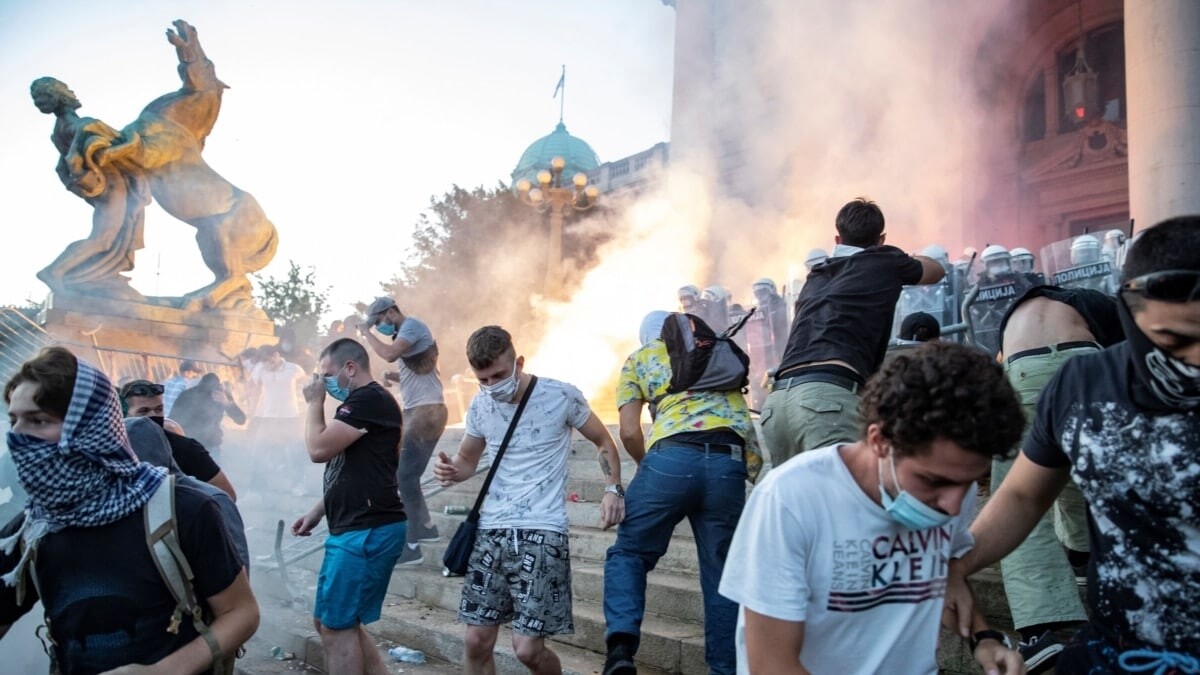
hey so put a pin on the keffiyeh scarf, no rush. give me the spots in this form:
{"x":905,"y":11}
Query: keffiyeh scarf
{"x":90,"y":477}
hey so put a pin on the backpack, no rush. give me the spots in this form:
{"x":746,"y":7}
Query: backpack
{"x":701,"y":360}
{"x":158,"y":515}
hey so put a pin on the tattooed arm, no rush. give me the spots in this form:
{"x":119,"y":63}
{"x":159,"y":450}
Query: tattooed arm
{"x":612,"y":506}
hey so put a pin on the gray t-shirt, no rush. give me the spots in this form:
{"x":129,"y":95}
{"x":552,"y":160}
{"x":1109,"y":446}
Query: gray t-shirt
{"x":417,"y":389}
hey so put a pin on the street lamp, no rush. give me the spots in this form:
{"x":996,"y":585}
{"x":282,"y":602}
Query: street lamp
{"x":550,"y":196}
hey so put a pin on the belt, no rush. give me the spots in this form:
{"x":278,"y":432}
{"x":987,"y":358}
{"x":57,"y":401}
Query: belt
{"x":1050,"y":349}
{"x":785,"y":383}
{"x":706,"y":448}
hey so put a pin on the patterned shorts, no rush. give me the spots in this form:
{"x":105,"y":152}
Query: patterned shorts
{"x":522,"y":576}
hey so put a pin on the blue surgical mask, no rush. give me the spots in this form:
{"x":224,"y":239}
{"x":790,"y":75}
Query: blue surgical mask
{"x":504,"y":390}
{"x":907,"y":509}
{"x":386,"y":329}
{"x":334,"y":389}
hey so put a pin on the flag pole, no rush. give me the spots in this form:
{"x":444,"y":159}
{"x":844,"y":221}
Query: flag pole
{"x":562,"y":101}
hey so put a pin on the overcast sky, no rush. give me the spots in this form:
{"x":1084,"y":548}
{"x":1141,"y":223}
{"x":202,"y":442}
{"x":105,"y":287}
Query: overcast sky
{"x":342,"y":119}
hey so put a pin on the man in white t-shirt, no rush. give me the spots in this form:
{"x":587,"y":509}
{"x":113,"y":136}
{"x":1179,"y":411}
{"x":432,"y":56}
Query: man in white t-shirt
{"x":841,"y":556}
{"x":520,"y":568}
{"x":276,"y":428}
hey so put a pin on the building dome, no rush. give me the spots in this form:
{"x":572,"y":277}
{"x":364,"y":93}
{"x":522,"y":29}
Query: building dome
{"x":579,"y":156}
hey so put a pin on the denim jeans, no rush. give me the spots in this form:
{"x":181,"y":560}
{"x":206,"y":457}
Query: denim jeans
{"x":673,"y":483}
{"x":423,"y":426}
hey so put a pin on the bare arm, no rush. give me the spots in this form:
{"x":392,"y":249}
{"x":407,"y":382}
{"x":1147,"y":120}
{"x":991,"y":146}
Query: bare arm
{"x":450,"y":470}
{"x":773,"y":645}
{"x":388,"y":351}
{"x":630,"y":416}
{"x":325,"y":441}
{"x":221,"y":481}
{"x":931,"y":270}
{"x":612,"y":506}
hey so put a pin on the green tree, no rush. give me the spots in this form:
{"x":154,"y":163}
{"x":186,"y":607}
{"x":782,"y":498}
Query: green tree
{"x":295,"y":303}
{"x":478,"y":257}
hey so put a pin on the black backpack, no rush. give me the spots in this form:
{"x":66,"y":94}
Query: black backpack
{"x":701,"y":360}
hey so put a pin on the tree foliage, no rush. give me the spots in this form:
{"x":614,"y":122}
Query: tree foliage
{"x":295,"y":303}
{"x":478,"y":257}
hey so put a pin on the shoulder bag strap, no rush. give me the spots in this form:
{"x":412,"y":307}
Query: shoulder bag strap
{"x":473,"y":516}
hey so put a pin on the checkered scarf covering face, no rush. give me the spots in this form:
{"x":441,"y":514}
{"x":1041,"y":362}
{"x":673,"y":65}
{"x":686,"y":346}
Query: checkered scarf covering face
{"x":89,"y":478}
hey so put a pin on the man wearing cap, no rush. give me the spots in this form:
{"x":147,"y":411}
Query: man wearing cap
{"x":187,"y":377}
{"x":412,"y":348}
{"x":839,"y":336}
{"x":144,"y":398}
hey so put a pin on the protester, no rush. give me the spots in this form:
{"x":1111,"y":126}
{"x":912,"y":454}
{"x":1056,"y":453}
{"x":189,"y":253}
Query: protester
{"x":1123,"y":424}
{"x":1043,"y":329}
{"x":201,"y":410}
{"x":693,"y":467}
{"x":840,"y":557}
{"x":187,"y":377}
{"x":840,"y":333}
{"x":415,"y":353}
{"x":367,"y":525}
{"x":276,"y":428}
{"x":520,"y":568}
{"x":80,"y":546}
{"x":143,"y":398}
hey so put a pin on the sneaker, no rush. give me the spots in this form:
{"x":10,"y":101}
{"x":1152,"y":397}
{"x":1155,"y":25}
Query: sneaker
{"x":428,"y":534}
{"x":1080,"y":575}
{"x":619,"y":663}
{"x":411,"y":556}
{"x":1040,"y":652}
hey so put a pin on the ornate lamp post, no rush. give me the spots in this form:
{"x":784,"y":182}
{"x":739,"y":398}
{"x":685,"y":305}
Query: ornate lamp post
{"x":550,"y":195}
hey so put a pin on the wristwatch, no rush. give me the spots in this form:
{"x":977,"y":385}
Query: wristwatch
{"x":615,"y":489}
{"x":990,"y":634}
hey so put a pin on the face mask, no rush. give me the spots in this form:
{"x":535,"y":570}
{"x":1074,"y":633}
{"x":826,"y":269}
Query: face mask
{"x":334,"y":389}
{"x":907,"y":509}
{"x":1160,"y":381}
{"x":504,"y":390}
{"x":386,"y":329}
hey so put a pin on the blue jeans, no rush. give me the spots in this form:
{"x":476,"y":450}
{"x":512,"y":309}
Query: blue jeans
{"x":673,"y":483}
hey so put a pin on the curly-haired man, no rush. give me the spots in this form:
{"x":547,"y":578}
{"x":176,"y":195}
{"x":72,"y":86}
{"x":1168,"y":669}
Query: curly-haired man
{"x":855,"y":539}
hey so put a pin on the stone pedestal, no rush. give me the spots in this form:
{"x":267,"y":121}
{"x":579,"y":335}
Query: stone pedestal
{"x":118,"y":331}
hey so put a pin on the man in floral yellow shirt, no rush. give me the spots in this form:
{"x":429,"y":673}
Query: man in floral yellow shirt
{"x":701,"y":450}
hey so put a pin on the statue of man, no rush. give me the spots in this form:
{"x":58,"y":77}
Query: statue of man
{"x":159,"y":153}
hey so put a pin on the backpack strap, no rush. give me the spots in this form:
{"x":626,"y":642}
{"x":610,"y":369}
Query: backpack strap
{"x":162,"y":539}
{"x":48,"y":644}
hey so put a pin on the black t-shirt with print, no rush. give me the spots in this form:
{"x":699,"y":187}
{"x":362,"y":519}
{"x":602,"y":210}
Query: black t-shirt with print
{"x":360,"y":483}
{"x":846,"y":308}
{"x":1140,"y":475}
{"x":105,"y":598}
{"x":1098,"y":310}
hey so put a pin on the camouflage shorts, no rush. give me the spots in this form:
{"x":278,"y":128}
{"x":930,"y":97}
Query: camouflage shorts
{"x":522,"y":576}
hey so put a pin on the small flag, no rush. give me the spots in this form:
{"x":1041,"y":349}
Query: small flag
{"x":562,"y":80}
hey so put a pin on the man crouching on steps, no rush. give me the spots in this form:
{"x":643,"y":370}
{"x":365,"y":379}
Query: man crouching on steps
{"x":520,"y":568}
{"x":367,"y":524}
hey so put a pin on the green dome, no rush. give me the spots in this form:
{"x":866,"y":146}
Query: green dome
{"x":579,"y":156}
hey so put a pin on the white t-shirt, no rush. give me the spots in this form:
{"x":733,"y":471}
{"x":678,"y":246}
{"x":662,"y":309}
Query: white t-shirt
{"x":811,"y":546}
{"x":529,"y":490}
{"x":279,"y":390}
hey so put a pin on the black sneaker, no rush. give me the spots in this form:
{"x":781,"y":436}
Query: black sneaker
{"x":1040,"y":652}
{"x":428,"y":534}
{"x":619,"y":663}
{"x":412,"y":556}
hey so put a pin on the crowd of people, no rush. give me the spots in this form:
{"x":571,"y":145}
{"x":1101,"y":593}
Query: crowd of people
{"x":849,"y":554}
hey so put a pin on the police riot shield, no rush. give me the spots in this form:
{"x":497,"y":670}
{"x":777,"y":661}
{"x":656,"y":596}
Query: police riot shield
{"x":1081,"y":262}
{"x":765,"y":349}
{"x":985,"y":306}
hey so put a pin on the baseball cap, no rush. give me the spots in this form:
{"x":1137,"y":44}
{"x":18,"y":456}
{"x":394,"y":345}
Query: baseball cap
{"x":919,"y":326}
{"x":378,"y":307}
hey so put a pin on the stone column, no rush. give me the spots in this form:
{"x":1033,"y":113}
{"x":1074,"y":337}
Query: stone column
{"x":1162,"y":84}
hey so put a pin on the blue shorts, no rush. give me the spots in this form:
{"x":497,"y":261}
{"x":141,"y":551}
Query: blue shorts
{"x":355,"y":574}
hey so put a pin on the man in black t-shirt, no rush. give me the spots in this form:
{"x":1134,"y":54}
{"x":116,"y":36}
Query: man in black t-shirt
{"x":144,"y":398}
{"x":1123,"y":424}
{"x":839,"y":336}
{"x":367,"y":525}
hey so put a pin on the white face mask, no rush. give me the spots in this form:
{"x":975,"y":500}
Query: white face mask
{"x":504,"y":390}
